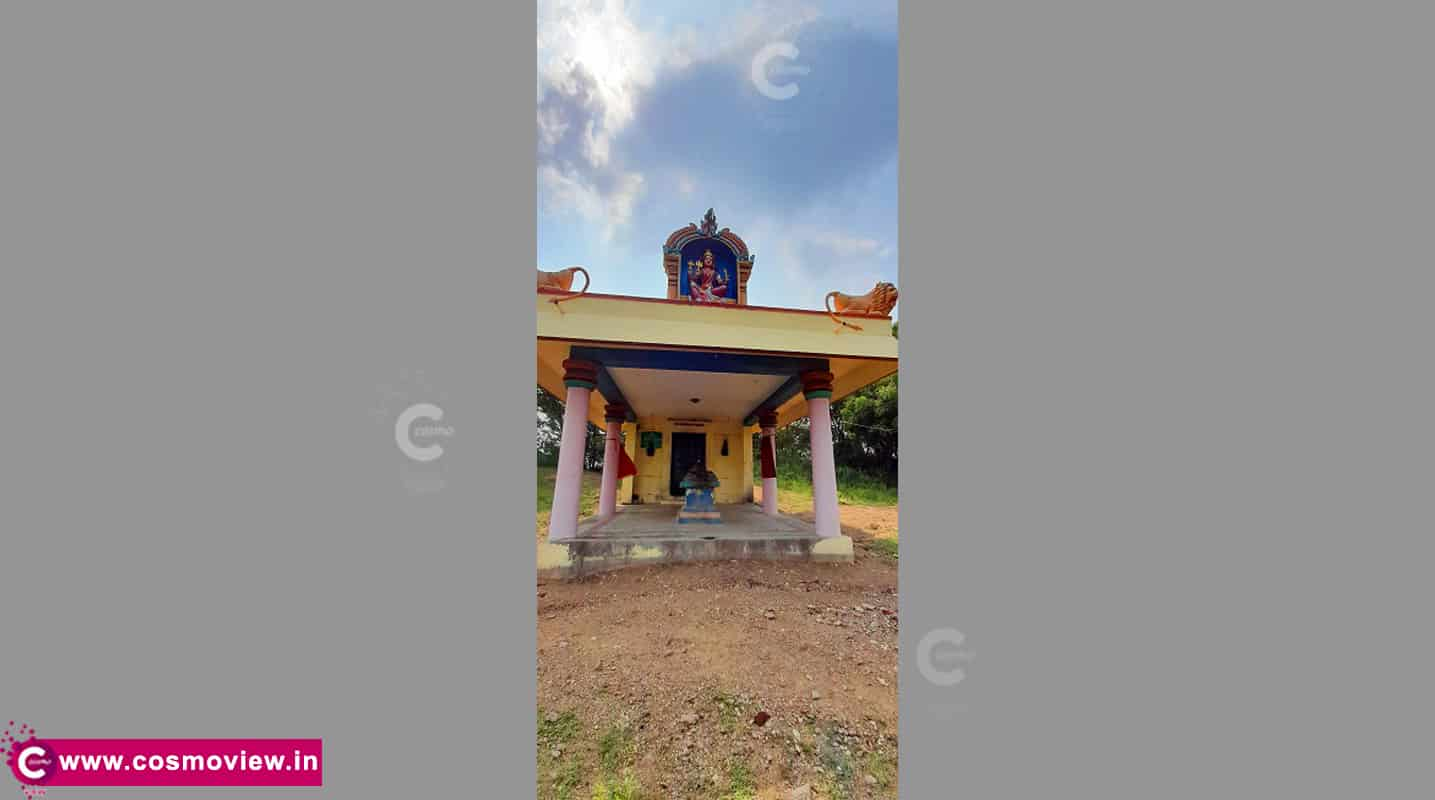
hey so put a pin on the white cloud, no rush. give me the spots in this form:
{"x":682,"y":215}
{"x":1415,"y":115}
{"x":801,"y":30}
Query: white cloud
{"x":562,"y":190}
{"x":802,"y":261}
{"x":848,"y":246}
{"x":595,"y":63}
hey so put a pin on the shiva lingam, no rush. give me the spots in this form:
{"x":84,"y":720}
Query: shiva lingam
{"x":698,"y":506}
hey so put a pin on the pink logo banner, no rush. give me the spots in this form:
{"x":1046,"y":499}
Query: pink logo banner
{"x":167,"y":762}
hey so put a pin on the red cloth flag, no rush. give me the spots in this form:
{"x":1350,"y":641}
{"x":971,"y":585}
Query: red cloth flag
{"x":769,"y":458}
{"x":626,"y":466}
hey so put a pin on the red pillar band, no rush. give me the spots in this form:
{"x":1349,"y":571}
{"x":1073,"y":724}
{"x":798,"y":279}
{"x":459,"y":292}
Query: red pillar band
{"x":816,"y":384}
{"x":768,"y":423}
{"x":614,"y":414}
{"x":579,"y":373}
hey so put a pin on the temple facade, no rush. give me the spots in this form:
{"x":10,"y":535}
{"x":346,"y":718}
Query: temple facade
{"x":686,"y":381}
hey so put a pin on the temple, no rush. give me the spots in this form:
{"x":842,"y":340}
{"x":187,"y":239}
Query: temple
{"x":681,"y":385}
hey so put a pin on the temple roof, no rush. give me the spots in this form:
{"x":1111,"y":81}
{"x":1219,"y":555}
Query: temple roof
{"x":737,"y":356}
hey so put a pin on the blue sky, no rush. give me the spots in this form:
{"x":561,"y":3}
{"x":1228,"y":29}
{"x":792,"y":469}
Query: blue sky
{"x":649,"y":114}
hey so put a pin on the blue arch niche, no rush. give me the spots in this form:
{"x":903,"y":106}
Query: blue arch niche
{"x":724,"y":264}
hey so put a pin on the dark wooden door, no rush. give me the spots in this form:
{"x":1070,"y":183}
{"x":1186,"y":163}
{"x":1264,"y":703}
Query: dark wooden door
{"x":687,"y":449}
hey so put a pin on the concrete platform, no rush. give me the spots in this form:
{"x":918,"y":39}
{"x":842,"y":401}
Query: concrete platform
{"x":651,"y":534}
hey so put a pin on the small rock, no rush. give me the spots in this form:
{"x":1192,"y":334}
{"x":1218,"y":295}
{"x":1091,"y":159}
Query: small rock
{"x":551,"y":717}
{"x":761,"y":718}
{"x":816,"y":695}
{"x":556,"y":752}
{"x":688,"y":719}
{"x":770,"y":614}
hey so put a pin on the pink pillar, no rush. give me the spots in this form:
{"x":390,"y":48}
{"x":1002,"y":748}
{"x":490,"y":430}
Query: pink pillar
{"x":608,"y":501}
{"x":817,"y":388}
{"x":580,"y":378}
{"x":768,"y":438}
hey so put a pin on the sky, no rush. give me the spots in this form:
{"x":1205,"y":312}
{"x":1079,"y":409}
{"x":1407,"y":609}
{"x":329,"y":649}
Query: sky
{"x":649,"y":113}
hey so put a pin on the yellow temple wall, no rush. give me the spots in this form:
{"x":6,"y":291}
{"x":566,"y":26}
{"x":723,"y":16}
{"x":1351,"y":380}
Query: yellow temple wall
{"x":734,"y":470}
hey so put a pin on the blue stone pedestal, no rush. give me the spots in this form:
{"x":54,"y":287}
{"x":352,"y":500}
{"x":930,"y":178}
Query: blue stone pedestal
{"x":698,"y":507}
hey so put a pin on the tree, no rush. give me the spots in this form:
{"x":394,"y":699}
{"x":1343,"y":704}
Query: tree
{"x":864,"y":434}
{"x":864,"y":430}
{"x":550,"y":427}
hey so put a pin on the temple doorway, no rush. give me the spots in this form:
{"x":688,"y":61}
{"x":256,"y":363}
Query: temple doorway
{"x":688,"y":448}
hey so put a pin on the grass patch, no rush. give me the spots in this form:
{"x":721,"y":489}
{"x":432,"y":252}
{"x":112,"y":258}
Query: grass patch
{"x":564,"y":778}
{"x":882,"y":767}
{"x":884,"y":547}
{"x":615,"y":748}
{"x":560,"y":730}
{"x":839,"y":775}
{"x":853,"y":487}
{"x":625,"y":788}
{"x":568,"y":780}
{"x":740,"y":783}
{"x":730,"y":711}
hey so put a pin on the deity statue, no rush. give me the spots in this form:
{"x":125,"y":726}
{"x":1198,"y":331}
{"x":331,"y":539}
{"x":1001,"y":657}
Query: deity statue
{"x":698,"y":506}
{"x":699,"y":478}
{"x":705,"y":283}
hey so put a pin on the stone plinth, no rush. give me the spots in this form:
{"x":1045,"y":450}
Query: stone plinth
{"x":698,"y":507}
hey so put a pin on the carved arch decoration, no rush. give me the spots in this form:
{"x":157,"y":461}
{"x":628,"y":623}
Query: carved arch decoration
{"x":687,"y":237}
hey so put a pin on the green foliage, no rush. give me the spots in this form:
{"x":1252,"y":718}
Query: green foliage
{"x":854,"y":487}
{"x":730,"y":710}
{"x":864,"y":445}
{"x":885,"y":547}
{"x":567,"y":780}
{"x":550,"y":427}
{"x":864,"y":430}
{"x":626,"y":788}
{"x":881,"y":766}
{"x":588,"y":500}
{"x":740,"y":783}
{"x":565,"y":777}
{"x":615,"y":748}
{"x":837,"y":766}
{"x":560,"y":731}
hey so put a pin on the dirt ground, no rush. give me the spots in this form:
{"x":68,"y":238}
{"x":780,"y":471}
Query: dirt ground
{"x":657,"y":676}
